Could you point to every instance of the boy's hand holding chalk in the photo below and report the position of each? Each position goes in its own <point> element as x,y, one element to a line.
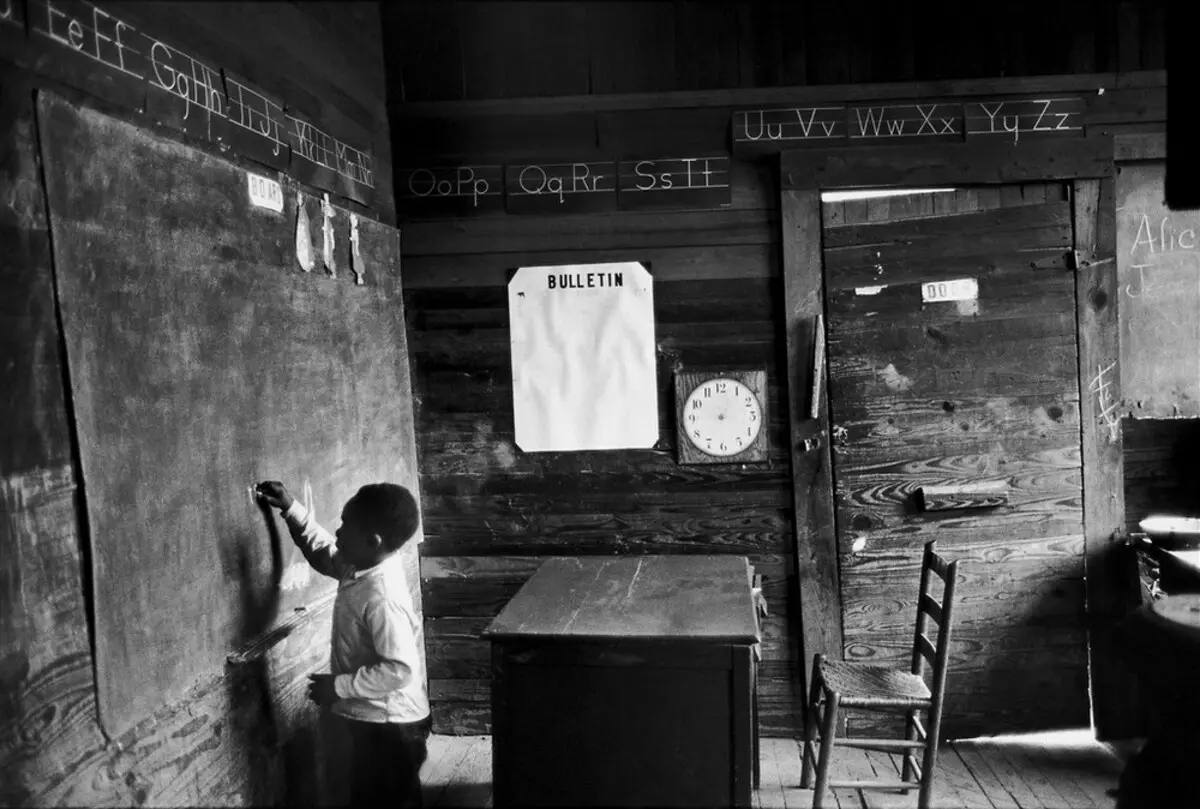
<point>274,493</point>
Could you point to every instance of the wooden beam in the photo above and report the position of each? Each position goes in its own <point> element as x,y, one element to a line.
<point>812,479</point>
<point>948,163</point>
<point>1113,690</point>
<point>805,95</point>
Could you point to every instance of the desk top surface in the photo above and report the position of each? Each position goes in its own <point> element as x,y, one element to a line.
<point>1181,608</point>
<point>705,598</point>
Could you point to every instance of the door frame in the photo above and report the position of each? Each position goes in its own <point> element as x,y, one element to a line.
<point>1089,165</point>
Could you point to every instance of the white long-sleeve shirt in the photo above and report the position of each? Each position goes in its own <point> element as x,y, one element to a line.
<point>377,637</point>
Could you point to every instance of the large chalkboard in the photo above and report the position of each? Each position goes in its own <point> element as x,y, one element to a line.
<point>201,359</point>
<point>1158,261</point>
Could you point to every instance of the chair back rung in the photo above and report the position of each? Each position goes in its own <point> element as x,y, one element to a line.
<point>881,744</point>
<point>926,648</point>
<point>931,607</point>
<point>939,566</point>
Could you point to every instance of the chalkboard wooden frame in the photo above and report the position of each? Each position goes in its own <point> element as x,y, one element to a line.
<point>804,174</point>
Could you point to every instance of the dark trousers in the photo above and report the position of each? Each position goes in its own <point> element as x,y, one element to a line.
<point>386,762</point>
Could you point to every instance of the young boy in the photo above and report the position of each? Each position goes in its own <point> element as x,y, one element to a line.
<point>378,682</point>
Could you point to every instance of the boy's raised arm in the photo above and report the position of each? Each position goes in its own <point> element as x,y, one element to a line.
<point>317,544</point>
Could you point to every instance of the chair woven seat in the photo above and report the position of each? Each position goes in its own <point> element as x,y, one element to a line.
<point>865,685</point>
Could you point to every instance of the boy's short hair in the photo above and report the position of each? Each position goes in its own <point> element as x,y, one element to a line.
<point>389,510</point>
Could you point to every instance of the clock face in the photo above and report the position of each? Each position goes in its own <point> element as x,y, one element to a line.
<point>722,416</point>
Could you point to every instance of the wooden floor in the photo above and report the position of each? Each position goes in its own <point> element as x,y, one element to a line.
<point>1061,771</point>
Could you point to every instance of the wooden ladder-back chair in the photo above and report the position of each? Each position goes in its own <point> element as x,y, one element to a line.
<point>873,687</point>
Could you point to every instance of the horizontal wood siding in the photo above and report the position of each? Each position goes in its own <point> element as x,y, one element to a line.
<point>493,513</point>
<point>954,392</point>
<point>462,50</point>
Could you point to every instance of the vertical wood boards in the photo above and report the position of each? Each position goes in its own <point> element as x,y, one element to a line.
<point>201,361</point>
<point>812,483</point>
<point>1099,302</point>
<point>963,392</point>
<point>1158,263</point>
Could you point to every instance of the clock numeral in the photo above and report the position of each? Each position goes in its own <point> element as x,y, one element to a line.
<point>707,391</point>
<point>739,438</point>
<point>753,416</point>
<point>747,432</point>
<point>720,387</point>
<point>697,404</point>
<point>692,417</point>
<point>723,447</point>
<point>737,390</point>
<point>749,401</point>
<point>696,433</point>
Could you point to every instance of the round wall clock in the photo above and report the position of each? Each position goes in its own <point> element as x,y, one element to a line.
<point>721,416</point>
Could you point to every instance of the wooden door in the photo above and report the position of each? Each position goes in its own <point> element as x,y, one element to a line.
<point>960,392</point>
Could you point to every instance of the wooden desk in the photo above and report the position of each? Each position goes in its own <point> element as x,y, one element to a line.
<point>626,682</point>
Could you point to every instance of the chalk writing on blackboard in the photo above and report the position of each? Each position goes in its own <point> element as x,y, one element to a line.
<point>197,84</point>
<point>1154,239</point>
<point>476,184</point>
<point>790,123</point>
<point>253,111</point>
<point>91,31</point>
<point>322,149</point>
<point>1101,386</point>
<point>676,182</point>
<point>682,173</point>
<point>561,179</point>
<point>1024,117</point>
<point>905,121</point>
<point>105,40</point>
<point>561,187</point>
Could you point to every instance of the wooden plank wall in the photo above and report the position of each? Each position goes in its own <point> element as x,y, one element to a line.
<point>246,738</point>
<point>955,393</point>
<point>464,50</point>
<point>493,513</point>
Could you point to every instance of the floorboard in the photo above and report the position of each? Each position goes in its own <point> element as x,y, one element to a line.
<point>1027,772</point>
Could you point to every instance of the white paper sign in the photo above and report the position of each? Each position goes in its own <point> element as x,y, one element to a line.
<point>583,357</point>
<point>959,289</point>
<point>265,192</point>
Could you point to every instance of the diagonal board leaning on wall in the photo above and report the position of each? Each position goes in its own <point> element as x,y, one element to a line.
<point>200,360</point>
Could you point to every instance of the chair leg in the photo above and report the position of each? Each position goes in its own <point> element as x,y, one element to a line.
<point>807,750</point>
<point>928,762</point>
<point>910,733</point>
<point>828,733</point>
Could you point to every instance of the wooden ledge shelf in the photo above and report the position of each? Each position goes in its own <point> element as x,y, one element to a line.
<point>971,495</point>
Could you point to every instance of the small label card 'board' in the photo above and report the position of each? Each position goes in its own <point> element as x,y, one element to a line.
<point>265,192</point>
